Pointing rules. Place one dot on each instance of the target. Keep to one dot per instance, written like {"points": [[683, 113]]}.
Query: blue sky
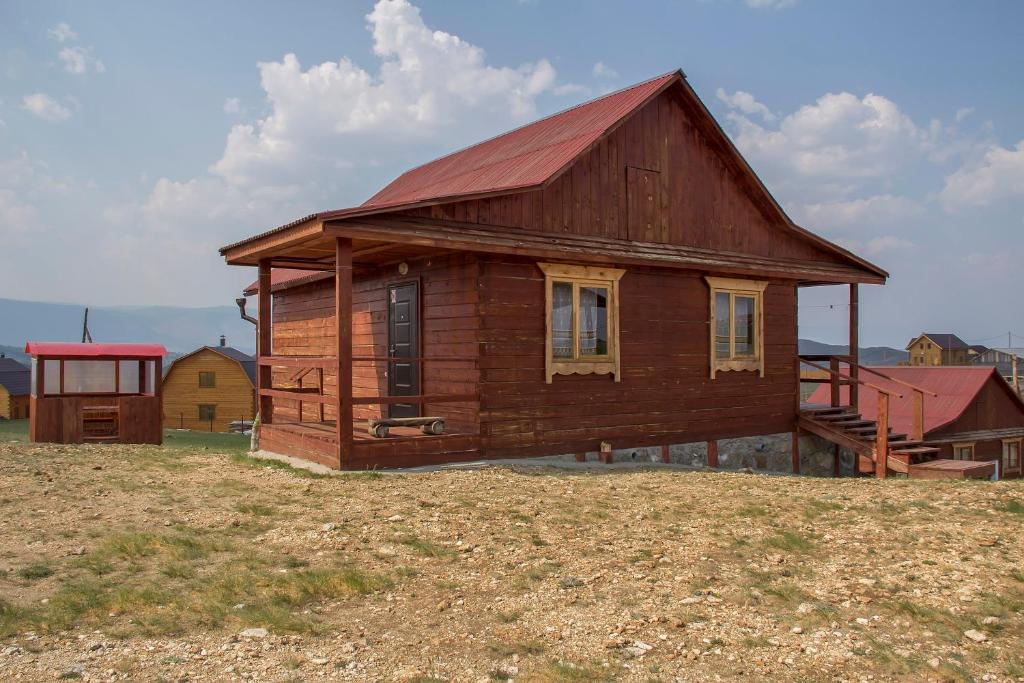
{"points": [[136, 138]]}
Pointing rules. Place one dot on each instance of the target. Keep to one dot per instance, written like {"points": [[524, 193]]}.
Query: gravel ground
{"points": [[179, 564]]}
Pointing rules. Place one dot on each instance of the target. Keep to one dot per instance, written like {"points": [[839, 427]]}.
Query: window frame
{"points": [[746, 288], [213, 410], [213, 378], [964, 444], [581, 276], [1002, 461]]}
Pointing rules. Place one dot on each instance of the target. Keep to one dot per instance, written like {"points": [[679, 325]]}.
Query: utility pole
{"points": [[86, 337]]}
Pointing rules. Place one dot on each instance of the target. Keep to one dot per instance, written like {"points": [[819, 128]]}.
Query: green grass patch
{"points": [[34, 572], [790, 541], [257, 509], [424, 547], [1012, 506], [14, 431]]}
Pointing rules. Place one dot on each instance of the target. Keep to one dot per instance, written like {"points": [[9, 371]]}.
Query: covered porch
{"points": [[324, 407]]}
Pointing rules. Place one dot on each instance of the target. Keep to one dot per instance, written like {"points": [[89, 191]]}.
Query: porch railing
{"points": [[321, 363]]}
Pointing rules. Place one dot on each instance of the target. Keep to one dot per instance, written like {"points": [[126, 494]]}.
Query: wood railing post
{"points": [[343, 315], [854, 344], [264, 343], [882, 436], [833, 364], [918, 425]]}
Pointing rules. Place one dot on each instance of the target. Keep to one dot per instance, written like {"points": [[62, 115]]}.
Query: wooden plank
{"points": [[264, 343], [343, 318]]}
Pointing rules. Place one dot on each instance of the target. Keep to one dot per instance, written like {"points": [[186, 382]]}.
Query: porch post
{"points": [[343, 315], [854, 343], [264, 343]]}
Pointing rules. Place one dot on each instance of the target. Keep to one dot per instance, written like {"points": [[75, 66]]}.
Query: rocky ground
{"points": [[147, 563]]}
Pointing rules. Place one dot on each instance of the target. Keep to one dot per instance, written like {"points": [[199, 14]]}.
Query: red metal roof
{"points": [[525, 157], [290, 276], [956, 387], [71, 349]]}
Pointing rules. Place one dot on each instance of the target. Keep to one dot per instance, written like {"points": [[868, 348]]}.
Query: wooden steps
{"points": [[847, 428]]}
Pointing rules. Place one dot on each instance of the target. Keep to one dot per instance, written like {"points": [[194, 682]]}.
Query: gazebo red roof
{"points": [[76, 350]]}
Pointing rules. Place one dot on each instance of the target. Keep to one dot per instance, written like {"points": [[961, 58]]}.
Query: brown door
{"points": [[403, 342]]}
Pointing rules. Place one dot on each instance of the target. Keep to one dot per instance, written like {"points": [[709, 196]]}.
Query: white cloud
{"points": [[79, 60], [62, 33], [429, 82], [832, 149], [45, 107], [601, 70], [885, 209], [232, 105], [963, 112], [746, 103], [878, 245], [998, 175]]}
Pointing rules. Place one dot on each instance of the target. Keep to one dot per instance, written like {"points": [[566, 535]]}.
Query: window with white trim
{"points": [[582, 320], [737, 324], [1011, 455]]}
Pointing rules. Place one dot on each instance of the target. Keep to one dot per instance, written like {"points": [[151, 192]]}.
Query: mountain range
{"points": [[183, 329], [180, 329]]}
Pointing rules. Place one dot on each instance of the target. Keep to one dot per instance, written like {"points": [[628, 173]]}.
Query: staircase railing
{"points": [[838, 379], [917, 428]]}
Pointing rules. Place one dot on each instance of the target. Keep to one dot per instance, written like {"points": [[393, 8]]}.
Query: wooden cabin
{"points": [[933, 348], [614, 276], [95, 393], [15, 379], [969, 414], [210, 388]]}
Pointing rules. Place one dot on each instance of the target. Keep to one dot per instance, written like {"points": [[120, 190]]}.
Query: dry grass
{"points": [[536, 575]]}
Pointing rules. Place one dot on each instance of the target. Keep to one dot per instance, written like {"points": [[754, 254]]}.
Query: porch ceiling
{"points": [[384, 240]]}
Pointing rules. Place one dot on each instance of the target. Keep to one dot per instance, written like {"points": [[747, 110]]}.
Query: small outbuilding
{"points": [[14, 389], [95, 393], [210, 388]]}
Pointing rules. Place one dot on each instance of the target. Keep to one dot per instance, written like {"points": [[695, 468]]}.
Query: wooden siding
{"points": [[665, 395], [656, 178], [12, 407], [304, 326], [993, 408], [233, 393]]}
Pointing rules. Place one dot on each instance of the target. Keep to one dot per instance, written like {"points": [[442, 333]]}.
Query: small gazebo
{"points": [[95, 393]]}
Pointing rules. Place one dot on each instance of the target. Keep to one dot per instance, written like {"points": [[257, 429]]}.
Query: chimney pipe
{"points": [[223, 340]]}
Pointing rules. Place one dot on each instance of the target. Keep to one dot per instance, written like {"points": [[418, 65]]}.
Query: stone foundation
{"points": [[768, 453]]}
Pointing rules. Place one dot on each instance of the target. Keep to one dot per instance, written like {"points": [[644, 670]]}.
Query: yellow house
{"points": [[15, 380], [209, 389], [930, 348]]}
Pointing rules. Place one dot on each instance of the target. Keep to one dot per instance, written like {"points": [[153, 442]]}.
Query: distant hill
{"points": [[869, 355], [179, 329]]}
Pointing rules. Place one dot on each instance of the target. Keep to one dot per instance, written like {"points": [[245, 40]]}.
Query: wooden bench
{"points": [[428, 425]]}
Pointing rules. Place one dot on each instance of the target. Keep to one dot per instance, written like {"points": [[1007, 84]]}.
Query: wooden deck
{"points": [[952, 469], [403, 447]]}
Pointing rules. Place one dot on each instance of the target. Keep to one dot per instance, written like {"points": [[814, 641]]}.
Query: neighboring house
{"points": [[547, 291], [938, 349], [975, 416], [209, 389], [15, 387], [1002, 360]]}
